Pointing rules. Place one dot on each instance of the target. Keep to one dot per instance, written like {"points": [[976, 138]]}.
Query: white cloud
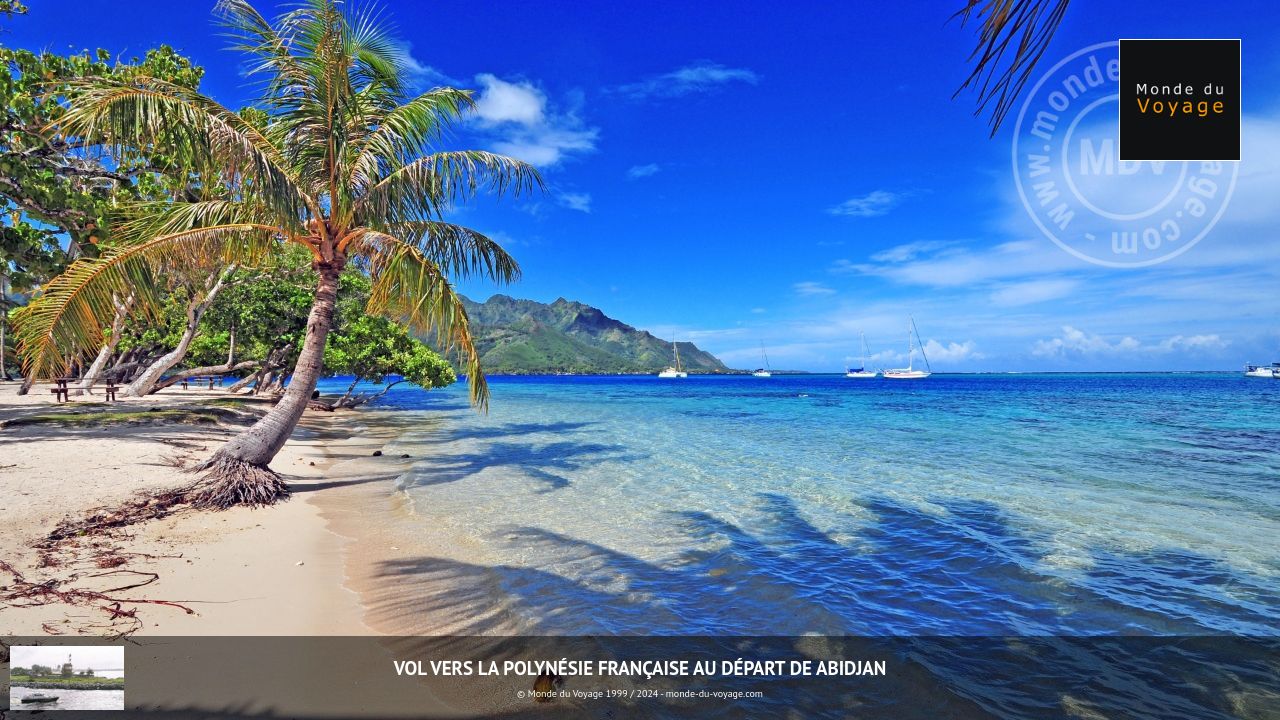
{"points": [[1194, 342], [873, 204], [910, 251], [1077, 342], [952, 352], [810, 288], [643, 171], [696, 77], [575, 201], [758, 310], [517, 117], [1031, 292], [501, 101], [424, 75]]}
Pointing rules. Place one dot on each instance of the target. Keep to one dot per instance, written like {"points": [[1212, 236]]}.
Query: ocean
{"points": [[979, 506]]}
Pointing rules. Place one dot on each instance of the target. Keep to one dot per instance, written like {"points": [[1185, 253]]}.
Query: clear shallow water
{"points": [[959, 505]]}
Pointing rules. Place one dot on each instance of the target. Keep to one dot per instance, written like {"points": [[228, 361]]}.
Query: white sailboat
{"points": [[676, 371], [909, 372], [765, 371], [1263, 371], [861, 371]]}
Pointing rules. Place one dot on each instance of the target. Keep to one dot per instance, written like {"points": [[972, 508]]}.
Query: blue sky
{"points": [[747, 171]]}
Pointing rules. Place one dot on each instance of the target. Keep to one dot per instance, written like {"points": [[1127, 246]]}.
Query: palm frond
{"points": [[409, 288], [141, 221], [66, 320], [255, 36], [427, 186], [406, 132], [145, 113], [1013, 37], [458, 251]]}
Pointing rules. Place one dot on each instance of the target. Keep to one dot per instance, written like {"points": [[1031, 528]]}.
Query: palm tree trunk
{"points": [[237, 472]]}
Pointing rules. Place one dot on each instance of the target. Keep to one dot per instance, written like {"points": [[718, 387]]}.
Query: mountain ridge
{"points": [[525, 337]]}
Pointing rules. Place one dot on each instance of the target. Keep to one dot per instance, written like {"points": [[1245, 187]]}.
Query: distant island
{"points": [[524, 337]]}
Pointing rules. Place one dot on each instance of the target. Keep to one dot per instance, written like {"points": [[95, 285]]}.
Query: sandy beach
{"points": [[241, 571], [305, 568]]}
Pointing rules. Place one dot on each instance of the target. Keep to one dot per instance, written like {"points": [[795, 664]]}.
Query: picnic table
{"points": [[63, 393], [60, 389], [201, 380]]}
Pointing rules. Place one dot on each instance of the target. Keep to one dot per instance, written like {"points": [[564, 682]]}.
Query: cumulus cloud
{"points": [[517, 117], [1078, 342], [643, 171], [701, 76], [952, 352]]}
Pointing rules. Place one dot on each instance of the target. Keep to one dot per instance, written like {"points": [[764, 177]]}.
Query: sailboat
{"points": [[766, 370], [909, 372], [676, 371], [861, 371], [1262, 371]]}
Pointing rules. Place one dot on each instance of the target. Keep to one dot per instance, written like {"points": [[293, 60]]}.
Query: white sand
{"points": [[239, 569]]}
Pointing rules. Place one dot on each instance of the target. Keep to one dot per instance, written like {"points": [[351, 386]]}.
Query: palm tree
{"points": [[336, 157], [1013, 35]]}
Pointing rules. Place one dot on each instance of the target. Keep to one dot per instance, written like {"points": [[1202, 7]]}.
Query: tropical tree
{"points": [[55, 195], [340, 160], [370, 348]]}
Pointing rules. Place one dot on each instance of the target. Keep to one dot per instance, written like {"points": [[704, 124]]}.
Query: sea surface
{"points": [[69, 699], [1047, 505]]}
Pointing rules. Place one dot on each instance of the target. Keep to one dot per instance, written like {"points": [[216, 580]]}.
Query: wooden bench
{"points": [[110, 390], [60, 389], [201, 380]]}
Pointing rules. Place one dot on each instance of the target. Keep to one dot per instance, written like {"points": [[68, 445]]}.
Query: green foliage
{"points": [[9, 8], [266, 308], [55, 180], [337, 158], [372, 348]]}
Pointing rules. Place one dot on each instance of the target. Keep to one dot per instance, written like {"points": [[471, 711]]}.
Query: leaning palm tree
{"points": [[335, 156]]}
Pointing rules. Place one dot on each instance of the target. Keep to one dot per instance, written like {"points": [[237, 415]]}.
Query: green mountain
{"points": [[523, 337]]}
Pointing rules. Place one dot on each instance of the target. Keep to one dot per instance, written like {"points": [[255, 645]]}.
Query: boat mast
{"points": [[863, 337], [676, 348], [921, 344], [911, 349], [764, 356]]}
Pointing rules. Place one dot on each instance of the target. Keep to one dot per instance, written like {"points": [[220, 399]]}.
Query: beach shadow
{"points": [[959, 585], [493, 432], [543, 463], [962, 568]]}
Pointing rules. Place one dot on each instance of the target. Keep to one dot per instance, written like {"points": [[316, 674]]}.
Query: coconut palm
{"points": [[336, 156], [1012, 37]]}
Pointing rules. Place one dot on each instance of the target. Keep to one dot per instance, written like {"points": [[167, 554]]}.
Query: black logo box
{"points": [[1187, 68]]}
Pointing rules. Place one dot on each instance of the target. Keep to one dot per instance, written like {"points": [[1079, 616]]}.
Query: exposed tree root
{"points": [[139, 508], [120, 621], [228, 482]]}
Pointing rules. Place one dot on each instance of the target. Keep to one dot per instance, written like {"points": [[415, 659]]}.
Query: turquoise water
{"points": [[958, 505]]}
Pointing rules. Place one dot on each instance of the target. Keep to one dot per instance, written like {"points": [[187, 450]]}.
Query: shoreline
{"points": [[241, 571], [323, 564]]}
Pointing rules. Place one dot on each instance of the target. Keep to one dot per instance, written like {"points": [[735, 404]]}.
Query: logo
{"points": [[1082, 196], [1180, 99]]}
